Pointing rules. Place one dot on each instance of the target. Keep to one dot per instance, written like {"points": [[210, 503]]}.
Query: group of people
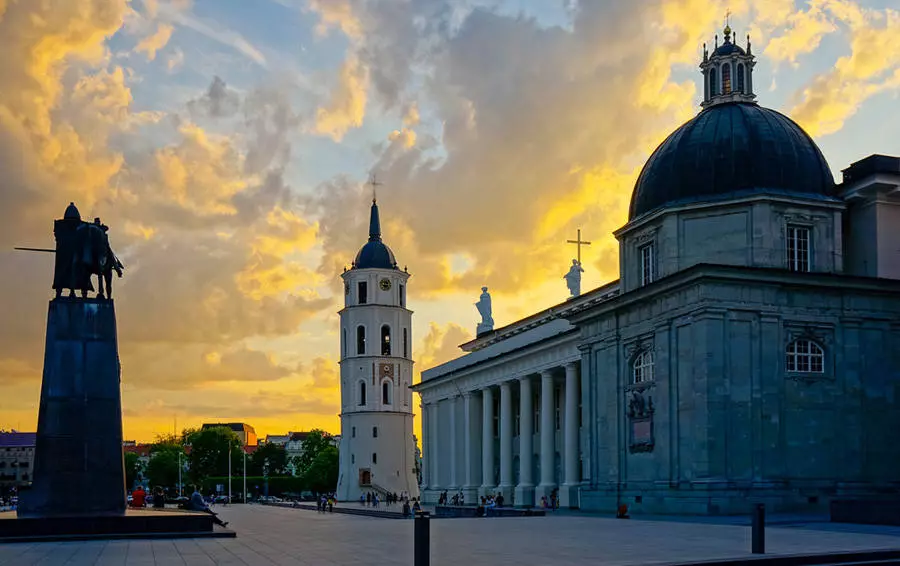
{"points": [[140, 498], [373, 499], [457, 499], [326, 502]]}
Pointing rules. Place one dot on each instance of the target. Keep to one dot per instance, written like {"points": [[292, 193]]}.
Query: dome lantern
{"points": [[727, 72]]}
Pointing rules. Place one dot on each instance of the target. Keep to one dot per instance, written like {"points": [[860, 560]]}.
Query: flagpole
{"points": [[229, 474], [244, 495]]}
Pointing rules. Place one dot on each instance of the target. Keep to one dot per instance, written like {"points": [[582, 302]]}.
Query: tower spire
{"points": [[374, 224]]}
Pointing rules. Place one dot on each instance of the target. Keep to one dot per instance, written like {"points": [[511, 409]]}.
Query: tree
{"points": [[322, 474], [316, 441], [162, 470], [274, 454], [210, 449], [132, 468]]}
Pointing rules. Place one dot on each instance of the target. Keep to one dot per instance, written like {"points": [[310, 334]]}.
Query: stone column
{"points": [[435, 482], [454, 447], [525, 489], [487, 442], [506, 486], [426, 447], [472, 476], [569, 492], [548, 433]]}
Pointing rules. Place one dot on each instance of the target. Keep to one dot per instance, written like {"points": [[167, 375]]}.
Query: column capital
{"points": [[572, 364], [546, 373], [526, 378]]}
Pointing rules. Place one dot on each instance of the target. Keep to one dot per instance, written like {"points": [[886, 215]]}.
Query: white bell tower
{"points": [[377, 451]]}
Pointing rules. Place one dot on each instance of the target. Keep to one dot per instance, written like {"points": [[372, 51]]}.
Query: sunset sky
{"points": [[227, 144]]}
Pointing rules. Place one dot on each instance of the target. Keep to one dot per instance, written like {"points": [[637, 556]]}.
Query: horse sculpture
{"points": [[83, 250]]}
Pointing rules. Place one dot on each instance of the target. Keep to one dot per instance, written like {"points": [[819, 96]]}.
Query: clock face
{"points": [[387, 370], [385, 284]]}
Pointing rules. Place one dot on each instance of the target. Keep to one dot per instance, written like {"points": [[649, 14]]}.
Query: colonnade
{"points": [[539, 419]]}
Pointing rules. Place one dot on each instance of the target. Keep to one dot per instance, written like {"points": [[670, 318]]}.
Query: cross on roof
{"points": [[373, 182], [579, 242]]}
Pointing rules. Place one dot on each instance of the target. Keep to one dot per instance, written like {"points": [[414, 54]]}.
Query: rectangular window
{"points": [[362, 292], [647, 264], [374, 432], [353, 434], [798, 249], [402, 295], [374, 458], [352, 458]]}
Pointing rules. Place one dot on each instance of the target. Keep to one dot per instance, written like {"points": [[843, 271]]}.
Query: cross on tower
{"points": [[373, 182], [579, 242]]}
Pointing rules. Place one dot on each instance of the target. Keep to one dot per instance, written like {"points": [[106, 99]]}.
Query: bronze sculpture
{"points": [[82, 250]]}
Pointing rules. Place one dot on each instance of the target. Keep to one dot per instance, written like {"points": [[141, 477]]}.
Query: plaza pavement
{"points": [[273, 535]]}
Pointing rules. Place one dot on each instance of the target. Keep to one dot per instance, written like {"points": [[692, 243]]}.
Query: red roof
{"points": [[250, 449], [142, 450]]}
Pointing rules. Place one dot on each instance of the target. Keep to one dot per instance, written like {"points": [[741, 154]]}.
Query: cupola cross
{"points": [[578, 242], [373, 182]]}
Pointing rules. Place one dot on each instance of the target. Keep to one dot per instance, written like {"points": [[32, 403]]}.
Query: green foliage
{"points": [[210, 449], [132, 468], [276, 457], [162, 470], [322, 474], [315, 443]]}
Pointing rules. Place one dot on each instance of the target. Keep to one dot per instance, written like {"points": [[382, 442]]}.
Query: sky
{"points": [[227, 144]]}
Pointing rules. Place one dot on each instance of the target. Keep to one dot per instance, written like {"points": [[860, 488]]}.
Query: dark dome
{"points": [[72, 212], [727, 150], [375, 254], [728, 48]]}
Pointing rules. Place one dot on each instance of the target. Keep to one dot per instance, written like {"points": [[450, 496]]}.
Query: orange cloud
{"points": [[153, 43]]}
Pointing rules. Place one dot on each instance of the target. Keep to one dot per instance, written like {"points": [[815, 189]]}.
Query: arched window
{"points": [[740, 77], [805, 356], [405, 343], [362, 394], [386, 393], [726, 78], [642, 367], [360, 340], [713, 82], [385, 340]]}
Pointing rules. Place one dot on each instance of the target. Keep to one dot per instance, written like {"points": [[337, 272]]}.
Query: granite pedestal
{"points": [[78, 464]]}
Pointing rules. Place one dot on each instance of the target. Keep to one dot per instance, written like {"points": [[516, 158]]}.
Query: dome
{"points": [[727, 150], [728, 49], [375, 254]]}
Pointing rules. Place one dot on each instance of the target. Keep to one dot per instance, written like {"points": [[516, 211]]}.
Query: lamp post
{"points": [[266, 478], [229, 473], [244, 495], [180, 486]]}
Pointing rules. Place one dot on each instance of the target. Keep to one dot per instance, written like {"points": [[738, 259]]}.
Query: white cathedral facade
{"points": [[749, 351], [377, 450]]}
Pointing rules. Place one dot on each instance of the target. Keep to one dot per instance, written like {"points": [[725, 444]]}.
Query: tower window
{"points": [[362, 292], [385, 340], [713, 82], [362, 393], [726, 78], [805, 356], [352, 458], [344, 343], [647, 264], [402, 295], [374, 457], [353, 432], [374, 432], [798, 249], [386, 393], [360, 340], [405, 343], [740, 77]]}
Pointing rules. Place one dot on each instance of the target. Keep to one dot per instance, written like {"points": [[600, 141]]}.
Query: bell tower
{"points": [[377, 452], [727, 72]]}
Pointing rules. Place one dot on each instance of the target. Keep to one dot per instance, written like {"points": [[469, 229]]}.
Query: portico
{"points": [[510, 423]]}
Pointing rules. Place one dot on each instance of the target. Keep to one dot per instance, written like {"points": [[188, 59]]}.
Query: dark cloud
{"points": [[218, 101]]}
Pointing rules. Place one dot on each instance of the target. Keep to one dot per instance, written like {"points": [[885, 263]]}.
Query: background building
{"points": [[16, 458], [245, 432]]}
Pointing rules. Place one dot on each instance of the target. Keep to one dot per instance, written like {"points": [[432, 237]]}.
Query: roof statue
{"points": [[82, 250], [573, 278], [484, 308]]}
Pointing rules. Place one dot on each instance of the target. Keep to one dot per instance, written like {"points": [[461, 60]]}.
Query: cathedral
{"points": [[378, 449], [748, 353]]}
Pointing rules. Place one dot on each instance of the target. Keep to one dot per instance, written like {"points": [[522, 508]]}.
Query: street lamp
{"points": [[229, 473]]}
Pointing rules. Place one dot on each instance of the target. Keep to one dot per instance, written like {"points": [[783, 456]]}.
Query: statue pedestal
{"points": [[78, 465]]}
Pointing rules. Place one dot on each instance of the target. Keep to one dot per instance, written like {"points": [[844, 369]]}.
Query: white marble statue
{"points": [[484, 308], [573, 278]]}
